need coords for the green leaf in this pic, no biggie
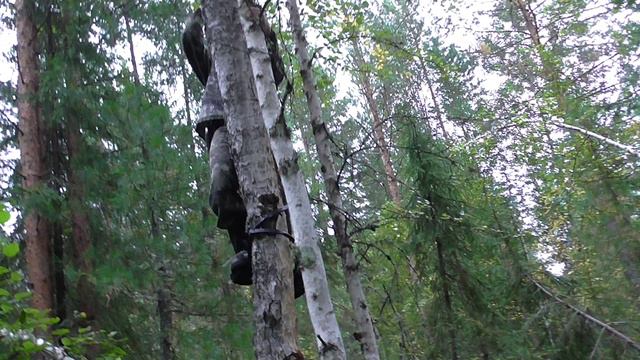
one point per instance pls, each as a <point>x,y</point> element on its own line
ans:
<point>28,346</point>
<point>22,295</point>
<point>60,332</point>
<point>11,250</point>
<point>16,277</point>
<point>4,214</point>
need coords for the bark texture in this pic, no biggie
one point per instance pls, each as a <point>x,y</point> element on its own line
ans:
<point>274,310</point>
<point>323,319</point>
<point>364,334</point>
<point>165,313</point>
<point>32,161</point>
<point>80,225</point>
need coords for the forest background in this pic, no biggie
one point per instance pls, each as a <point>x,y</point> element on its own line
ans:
<point>487,155</point>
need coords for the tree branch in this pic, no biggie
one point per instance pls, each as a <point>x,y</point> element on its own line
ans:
<point>588,317</point>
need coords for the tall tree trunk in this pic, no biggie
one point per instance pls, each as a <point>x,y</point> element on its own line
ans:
<point>55,162</point>
<point>323,318</point>
<point>132,53</point>
<point>187,102</point>
<point>434,98</point>
<point>378,129</point>
<point>165,290</point>
<point>34,171</point>
<point>442,270</point>
<point>165,313</point>
<point>60,290</point>
<point>365,333</point>
<point>53,146</point>
<point>274,308</point>
<point>549,71</point>
<point>80,225</point>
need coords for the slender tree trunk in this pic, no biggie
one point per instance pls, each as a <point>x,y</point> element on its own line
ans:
<point>165,290</point>
<point>274,308</point>
<point>549,71</point>
<point>378,129</point>
<point>80,225</point>
<point>364,334</point>
<point>187,101</point>
<point>60,290</point>
<point>55,161</point>
<point>136,75</point>
<point>447,300</point>
<point>32,160</point>
<point>323,318</point>
<point>165,313</point>
<point>434,99</point>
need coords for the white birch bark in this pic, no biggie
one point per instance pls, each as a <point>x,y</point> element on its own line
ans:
<point>323,318</point>
<point>626,148</point>
<point>364,334</point>
<point>274,308</point>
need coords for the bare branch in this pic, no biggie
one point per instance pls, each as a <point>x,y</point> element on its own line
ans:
<point>588,317</point>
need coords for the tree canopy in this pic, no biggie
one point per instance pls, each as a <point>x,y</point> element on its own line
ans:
<point>486,161</point>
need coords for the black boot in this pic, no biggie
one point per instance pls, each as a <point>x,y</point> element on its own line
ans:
<point>241,269</point>
<point>241,273</point>
<point>298,284</point>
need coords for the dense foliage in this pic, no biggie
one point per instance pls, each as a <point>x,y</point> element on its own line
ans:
<point>511,128</point>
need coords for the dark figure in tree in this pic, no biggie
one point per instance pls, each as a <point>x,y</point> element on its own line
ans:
<point>198,56</point>
<point>224,197</point>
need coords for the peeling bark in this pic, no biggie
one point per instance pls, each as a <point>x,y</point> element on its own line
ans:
<point>274,308</point>
<point>323,319</point>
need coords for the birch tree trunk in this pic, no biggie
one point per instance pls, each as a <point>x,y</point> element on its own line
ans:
<point>274,308</point>
<point>33,165</point>
<point>364,334</point>
<point>323,318</point>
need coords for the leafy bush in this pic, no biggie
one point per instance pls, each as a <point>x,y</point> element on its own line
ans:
<point>25,331</point>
